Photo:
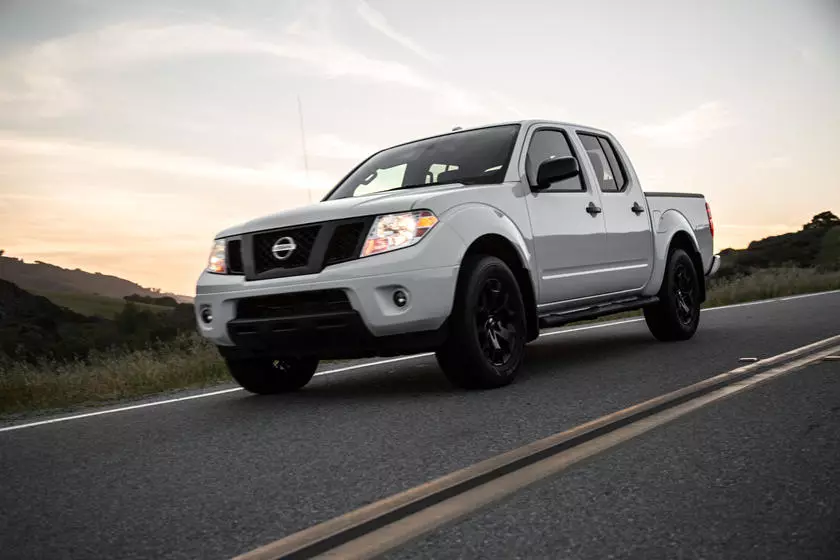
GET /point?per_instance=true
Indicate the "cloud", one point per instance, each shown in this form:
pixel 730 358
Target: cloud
pixel 379 22
pixel 43 77
pixel 810 56
pixel 89 155
pixel 332 146
pixel 690 127
pixel 46 80
pixel 775 163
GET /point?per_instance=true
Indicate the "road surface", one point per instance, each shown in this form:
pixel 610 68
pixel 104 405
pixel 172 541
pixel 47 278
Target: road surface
pixel 750 476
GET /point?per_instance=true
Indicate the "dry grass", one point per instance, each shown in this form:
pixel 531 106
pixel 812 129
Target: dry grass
pixel 110 376
pixel 771 283
pixel 192 362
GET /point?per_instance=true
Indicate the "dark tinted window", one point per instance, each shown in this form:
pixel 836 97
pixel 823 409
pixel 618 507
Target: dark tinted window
pixel 473 156
pixel 605 162
pixel 549 144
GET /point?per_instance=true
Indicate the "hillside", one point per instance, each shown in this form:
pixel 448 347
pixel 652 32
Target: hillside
pixel 46 278
pixel 817 244
pixel 32 327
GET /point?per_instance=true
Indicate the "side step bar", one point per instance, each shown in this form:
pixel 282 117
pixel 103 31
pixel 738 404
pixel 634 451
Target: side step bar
pixel 558 319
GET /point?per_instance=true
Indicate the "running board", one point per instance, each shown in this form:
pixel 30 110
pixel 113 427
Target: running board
pixel 558 319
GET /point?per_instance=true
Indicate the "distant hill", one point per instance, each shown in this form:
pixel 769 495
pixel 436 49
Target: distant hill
pixel 817 244
pixel 46 278
pixel 32 327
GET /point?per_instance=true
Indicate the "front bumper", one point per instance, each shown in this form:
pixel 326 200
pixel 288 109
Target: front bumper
pixel 369 285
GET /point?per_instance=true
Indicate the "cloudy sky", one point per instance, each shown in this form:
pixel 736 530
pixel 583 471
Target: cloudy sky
pixel 130 132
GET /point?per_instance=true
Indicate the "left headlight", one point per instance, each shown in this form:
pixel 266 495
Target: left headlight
pixel 396 231
pixel 217 263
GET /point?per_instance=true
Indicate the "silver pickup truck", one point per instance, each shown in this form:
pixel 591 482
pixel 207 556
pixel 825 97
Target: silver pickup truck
pixel 465 244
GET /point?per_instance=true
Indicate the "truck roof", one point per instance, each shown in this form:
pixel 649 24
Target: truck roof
pixel 524 123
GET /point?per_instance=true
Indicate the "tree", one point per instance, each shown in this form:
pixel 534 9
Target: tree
pixel 823 220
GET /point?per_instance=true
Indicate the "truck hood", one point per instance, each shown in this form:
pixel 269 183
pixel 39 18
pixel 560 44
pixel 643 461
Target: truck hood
pixel 383 203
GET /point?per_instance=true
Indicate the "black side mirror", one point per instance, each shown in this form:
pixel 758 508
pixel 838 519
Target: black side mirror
pixel 557 169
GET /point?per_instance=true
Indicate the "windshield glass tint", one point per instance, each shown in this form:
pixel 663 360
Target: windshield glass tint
pixel 473 156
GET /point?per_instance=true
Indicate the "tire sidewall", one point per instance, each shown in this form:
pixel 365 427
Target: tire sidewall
pixel 679 256
pixel 483 270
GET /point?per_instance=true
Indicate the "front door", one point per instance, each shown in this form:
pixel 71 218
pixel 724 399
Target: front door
pixel 568 228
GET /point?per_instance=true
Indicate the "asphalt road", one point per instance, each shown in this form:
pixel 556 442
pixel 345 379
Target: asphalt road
pixel 210 478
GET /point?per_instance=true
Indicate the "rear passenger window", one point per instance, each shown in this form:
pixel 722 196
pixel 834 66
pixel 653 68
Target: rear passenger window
pixel 548 144
pixel 604 160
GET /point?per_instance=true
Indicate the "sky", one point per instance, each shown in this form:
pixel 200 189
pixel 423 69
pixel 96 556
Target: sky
pixel 131 132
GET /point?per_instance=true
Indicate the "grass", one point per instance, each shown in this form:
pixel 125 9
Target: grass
pixel 191 362
pixel 89 304
pixel 771 283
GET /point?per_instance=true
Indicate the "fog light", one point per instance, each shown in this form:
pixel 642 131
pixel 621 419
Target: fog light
pixel 206 314
pixel 400 298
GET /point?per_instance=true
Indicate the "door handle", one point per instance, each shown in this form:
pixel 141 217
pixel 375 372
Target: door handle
pixel 637 209
pixel 592 209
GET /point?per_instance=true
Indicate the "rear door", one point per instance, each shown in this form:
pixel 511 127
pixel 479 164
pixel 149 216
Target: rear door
pixel 629 241
pixel 569 236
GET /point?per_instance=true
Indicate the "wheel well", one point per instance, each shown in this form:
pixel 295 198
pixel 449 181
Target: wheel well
pixel 681 240
pixel 499 247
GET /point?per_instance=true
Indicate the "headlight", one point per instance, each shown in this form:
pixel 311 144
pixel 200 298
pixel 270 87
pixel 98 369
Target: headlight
pixel 395 231
pixel 216 262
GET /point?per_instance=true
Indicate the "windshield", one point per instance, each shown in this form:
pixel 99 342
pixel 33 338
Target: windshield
pixel 473 156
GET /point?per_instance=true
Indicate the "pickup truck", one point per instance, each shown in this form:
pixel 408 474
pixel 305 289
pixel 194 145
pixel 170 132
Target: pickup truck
pixel 464 244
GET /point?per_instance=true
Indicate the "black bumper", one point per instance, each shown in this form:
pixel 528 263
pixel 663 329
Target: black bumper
pixel 333 335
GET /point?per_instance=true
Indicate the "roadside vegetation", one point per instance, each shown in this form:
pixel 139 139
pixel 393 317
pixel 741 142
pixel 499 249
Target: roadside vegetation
pixel 96 305
pixel 53 358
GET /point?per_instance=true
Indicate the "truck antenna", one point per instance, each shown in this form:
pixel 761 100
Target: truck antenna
pixel 303 143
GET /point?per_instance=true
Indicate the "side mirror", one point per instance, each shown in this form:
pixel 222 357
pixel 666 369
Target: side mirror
pixel 557 169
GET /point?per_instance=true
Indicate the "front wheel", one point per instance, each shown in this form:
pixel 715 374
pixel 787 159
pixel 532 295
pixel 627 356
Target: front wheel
pixel 268 376
pixel 677 314
pixel 487 337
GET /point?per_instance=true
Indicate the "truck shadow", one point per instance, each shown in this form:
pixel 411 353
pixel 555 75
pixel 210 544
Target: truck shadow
pixel 545 358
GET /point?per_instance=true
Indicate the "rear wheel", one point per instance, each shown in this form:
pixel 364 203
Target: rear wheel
pixel 677 314
pixel 487 337
pixel 268 376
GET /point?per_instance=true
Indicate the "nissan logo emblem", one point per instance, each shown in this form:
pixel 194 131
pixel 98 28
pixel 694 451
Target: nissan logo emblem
pixel 283 248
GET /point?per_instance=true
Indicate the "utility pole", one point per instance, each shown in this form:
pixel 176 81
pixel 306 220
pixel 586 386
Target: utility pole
pixel 303 143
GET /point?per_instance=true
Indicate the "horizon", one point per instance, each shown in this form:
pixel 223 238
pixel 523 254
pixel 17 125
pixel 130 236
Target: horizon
pixel 163 292
pixel 114 118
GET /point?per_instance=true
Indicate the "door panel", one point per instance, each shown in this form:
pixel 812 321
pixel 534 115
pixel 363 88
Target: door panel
pixel 569 245
pixel 569 242
pixel 629 239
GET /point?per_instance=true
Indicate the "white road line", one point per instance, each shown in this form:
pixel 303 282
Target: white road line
pixel 800 296
pixel 113 410
pixel 370 365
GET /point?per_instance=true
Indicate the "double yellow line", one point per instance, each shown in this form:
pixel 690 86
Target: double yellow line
pixel 382 526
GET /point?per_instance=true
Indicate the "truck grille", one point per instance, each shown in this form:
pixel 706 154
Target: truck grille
pixel 234 256
pixel 315 247
pixel 280 306
pixel 346 243
pixel 304 241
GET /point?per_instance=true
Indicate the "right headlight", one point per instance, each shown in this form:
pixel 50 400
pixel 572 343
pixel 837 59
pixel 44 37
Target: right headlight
pixel 216 262
pixel 396 231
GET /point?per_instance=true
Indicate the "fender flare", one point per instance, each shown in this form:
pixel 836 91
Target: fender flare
pixel 670 224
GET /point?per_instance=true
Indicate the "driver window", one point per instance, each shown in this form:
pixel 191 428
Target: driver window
pixel 549 144
pixel 382 180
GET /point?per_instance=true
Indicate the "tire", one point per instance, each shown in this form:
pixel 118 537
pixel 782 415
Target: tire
pixel 677 314
pixel 269 376
pixel 486 344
